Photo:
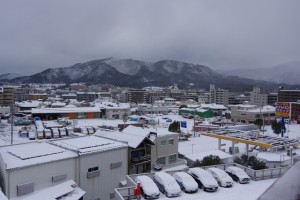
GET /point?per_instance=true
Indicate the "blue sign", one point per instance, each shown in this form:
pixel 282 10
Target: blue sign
pixel 183 124
pixel 282 127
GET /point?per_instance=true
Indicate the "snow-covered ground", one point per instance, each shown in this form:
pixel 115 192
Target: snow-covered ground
pixel 249 191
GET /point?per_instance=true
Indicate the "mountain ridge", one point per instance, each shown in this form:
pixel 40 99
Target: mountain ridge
pixel 136 73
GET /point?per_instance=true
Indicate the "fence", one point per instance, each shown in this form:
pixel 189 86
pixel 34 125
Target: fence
pixel 127 193
pixel 255 174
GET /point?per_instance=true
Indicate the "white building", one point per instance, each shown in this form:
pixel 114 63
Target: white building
pixel 95 164
pixel 30 167
pixel 258 98
pixel 218 96
pixel 101 164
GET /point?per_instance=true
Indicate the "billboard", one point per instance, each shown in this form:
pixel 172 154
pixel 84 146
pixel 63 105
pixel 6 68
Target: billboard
pixel 283 109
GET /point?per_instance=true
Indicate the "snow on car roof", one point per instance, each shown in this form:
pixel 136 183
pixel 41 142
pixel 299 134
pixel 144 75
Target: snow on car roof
pixel 33 153
pixel 217 171
pixel 143 178
pixel 89 144
pixel 165 177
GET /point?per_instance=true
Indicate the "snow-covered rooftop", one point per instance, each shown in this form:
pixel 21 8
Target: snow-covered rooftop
pixel 29 104
pixel 131 135
pixel 264 109
pixel 272 157
pixel 200 156
pixel 34 153
pixel 65 110
pixel 89 144
pixel 214 106
pixel 65 191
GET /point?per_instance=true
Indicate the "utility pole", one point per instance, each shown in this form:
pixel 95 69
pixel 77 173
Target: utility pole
pixel 12 124
pixel 194 123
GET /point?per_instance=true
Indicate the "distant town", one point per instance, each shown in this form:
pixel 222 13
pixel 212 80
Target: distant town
pixel 79 141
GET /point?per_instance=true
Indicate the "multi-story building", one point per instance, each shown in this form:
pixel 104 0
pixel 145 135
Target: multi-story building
pixel 137 96
pixel 272 99
pixel 238 98
pixel 78 87
pixel 87 96
pixel 258 98
pixel 7 96
pixel 218 96
pixel 38 96
pixel 139 147
pixel 69 96
pixel 249 113
pixel 289 96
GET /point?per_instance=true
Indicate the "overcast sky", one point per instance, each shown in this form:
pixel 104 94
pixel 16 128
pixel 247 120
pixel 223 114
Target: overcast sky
pixel 40 34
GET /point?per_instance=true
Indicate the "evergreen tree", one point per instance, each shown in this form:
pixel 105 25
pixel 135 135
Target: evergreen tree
pixel 208 160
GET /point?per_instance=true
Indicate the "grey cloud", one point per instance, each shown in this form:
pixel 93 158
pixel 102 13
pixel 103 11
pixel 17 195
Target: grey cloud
pixel 36 35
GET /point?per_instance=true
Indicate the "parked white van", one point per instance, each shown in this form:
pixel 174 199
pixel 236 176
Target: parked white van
pixel 221 176
pixel 204 179
pixel 167 184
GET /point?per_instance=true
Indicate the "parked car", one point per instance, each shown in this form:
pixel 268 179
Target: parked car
pixel 167 184
pixel 55 132
pixel 204 179
pixel 31 135
pixel 90 130
pixel 62 132
pixel 148 187
pixel 238 175
pixel 223 179
pixel 186 182
pixel 47 133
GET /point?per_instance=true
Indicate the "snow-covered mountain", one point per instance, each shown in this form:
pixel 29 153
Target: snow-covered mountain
pixel 135 73
pixel 9 76
pixel 288 73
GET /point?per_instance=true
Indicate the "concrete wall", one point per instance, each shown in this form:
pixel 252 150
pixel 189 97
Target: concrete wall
pixel 101 186
pixel 40 175
pixel 164 150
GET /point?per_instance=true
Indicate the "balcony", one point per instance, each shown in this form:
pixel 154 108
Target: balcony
pixel 141 159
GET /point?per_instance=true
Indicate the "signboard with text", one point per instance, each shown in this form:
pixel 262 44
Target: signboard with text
pixel 282 109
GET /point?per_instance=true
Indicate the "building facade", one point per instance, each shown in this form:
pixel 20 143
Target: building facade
pixel 258 98
pixel 137 96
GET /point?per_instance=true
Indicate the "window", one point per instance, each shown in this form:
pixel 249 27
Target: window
pixel 172 158
pixel 92 169
pixel 162 143
pixel 171 141
pixel 161 160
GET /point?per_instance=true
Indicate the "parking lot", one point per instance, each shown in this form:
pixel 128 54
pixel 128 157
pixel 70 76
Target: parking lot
pixel 249 191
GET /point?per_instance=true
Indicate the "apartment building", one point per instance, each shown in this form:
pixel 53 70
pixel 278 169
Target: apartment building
pixel 289 96
pixel 258 98
pixel 137 96
pixel 7 96
pixel 218 96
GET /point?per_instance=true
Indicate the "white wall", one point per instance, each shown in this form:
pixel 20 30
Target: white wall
pixel 101 186
pixel 41 175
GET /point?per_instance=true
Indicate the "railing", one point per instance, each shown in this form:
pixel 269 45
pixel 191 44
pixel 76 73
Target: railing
pixel 255 174
pixel 141 159
pixel 125 193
